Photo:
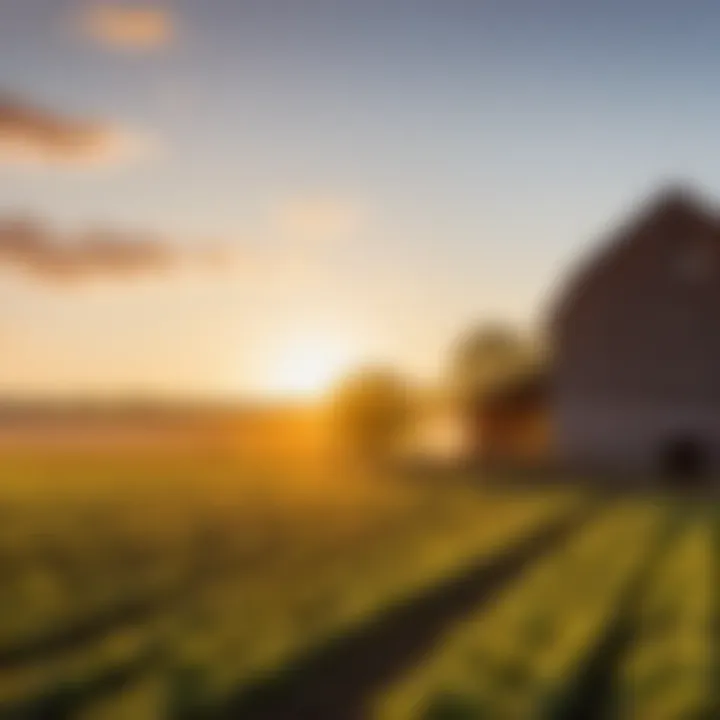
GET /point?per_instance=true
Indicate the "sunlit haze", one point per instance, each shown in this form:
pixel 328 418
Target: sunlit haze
pixel 307 366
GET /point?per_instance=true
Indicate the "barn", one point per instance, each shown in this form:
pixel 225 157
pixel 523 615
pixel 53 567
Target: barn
pixel 635 336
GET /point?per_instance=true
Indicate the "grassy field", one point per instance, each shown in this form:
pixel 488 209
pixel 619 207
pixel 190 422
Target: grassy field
pixel 181 586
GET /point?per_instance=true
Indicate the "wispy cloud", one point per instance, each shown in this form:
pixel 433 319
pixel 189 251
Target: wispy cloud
pixel 319 219
pixel 139 27
pixel 31 248
pixel 33 135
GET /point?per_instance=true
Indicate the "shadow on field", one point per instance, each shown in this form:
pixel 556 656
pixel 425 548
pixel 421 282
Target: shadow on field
pixel 599 483
pixel 65 700
pixel 339 680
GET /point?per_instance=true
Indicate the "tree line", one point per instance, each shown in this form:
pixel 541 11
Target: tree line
pixel 373 407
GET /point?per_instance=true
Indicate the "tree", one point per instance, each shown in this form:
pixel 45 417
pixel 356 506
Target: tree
pixel 485 356
pixel 370 410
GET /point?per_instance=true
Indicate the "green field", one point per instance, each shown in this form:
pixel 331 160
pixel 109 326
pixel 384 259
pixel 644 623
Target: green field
pixel 153 587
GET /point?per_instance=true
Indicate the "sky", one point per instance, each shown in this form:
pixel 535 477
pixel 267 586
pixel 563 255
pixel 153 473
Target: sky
pixel 248 197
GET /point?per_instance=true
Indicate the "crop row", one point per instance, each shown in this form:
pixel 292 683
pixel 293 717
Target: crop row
pixel 521 657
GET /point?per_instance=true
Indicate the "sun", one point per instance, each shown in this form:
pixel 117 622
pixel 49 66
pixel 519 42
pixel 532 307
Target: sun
pixel 308 367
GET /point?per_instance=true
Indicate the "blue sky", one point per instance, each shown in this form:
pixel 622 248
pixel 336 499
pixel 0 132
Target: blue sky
pixel 385 171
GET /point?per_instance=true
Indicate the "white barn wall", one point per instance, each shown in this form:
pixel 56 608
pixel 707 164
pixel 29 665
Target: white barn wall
pixel 630 435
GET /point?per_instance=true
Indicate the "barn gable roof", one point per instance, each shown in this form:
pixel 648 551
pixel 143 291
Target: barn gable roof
pixel 674 212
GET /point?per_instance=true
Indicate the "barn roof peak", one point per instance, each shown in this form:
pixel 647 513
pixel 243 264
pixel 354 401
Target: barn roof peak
pixel 679 201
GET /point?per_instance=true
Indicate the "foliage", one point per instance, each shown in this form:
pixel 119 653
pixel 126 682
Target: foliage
pixel 487 355
pixel 138 587
pixel 370 410
pixel 668 671
pixel 142 587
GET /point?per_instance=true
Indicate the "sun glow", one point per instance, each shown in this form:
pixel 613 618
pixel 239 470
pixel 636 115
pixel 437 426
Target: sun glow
pixel 309 366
